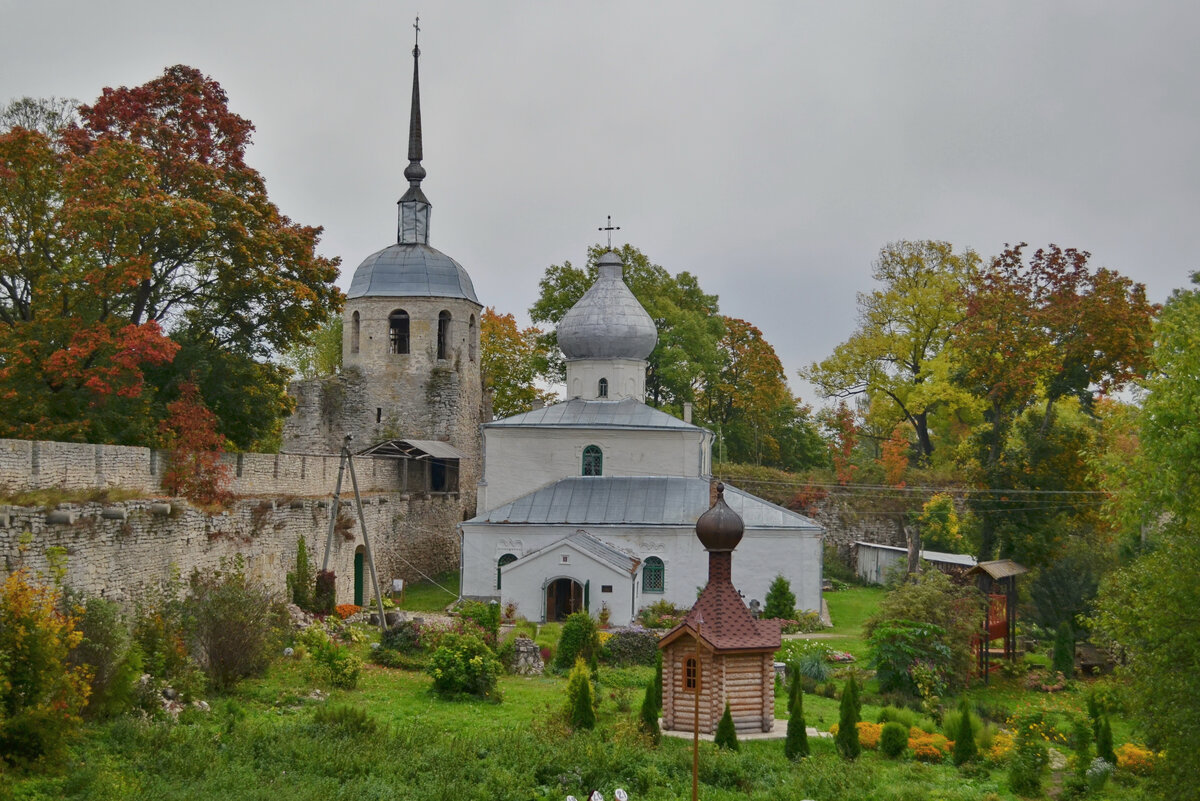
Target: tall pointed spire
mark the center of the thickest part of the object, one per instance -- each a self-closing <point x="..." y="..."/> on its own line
<point x="413" y="228"/>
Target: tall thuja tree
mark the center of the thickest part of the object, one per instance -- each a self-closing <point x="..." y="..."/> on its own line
<point x="1148" y="608"/>
<point x="848" y="717"/>
<point x="1037" y="330"/>
<point x="796" y="745"/>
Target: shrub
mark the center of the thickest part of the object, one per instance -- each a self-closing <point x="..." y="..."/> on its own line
<point x="650" y="711"/>
<point x="345" y="611"/>
<point x="796" y="745"/>
<point x="847" y="733"/>
<point x="346" y="721"/>
<point x="1029" y="756"/>
<point x="233" y="622"/>
<point x="803" y="623"/>
<point x="580" y="640"/>
<point x="107" y="653"/>
<point x="893" y="739"/>
<point x="868" y="734"/>
<point x="1136" y="759"/>
<point x="964" y="735"/>
<point x="1063" y="660"/>
<point x="726" y="736"/>
<point x="300" y="583"/>
<point x="660" y="615"/>
<point x="780" y="601"/>
<point x="631" y="647"/>
<point x="581" y="710"/>
<point x="898" y="645"/>
<point x="484" y="615"/>
<point x="928" y="747"/>
<point x="950" y="615"/>
<point x="1098" y="772"/>
<point x="1002" y="748"/>
<point x="404" y="636"/>
<point x="837" y="568"/>
<point x="464" y="665"/>
<point x="340" y="666"/>
<point x="894" y="714"/>
<point x="325" y="594"/>
<point x="41" y="693"/>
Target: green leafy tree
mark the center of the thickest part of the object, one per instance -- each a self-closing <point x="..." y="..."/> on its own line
<point x="903" y="328"/>
<point x="939" y="523"/>
<point x="726" y="736"/>
<point x="848" y="717"/>
<point x="1148" y="608"/>
<point x="511" y="360"/>
<point x="780" y="601"/>
<point x="320" y="357"/>
<point x="796" y="745"/>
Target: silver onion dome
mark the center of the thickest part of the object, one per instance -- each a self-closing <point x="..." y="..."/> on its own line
<point x="607" y="322"/>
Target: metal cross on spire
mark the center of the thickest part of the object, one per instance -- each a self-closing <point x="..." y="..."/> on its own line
<point x="417" y="36"/>
<point x="610" y="228"/>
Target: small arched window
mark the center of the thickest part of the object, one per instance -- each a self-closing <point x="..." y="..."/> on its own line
<point x="354" y="325"/>
<point x="471" y="346"/>
<point x="501" y="562"/>
<point x="593" y="461"/>
<point x="654" y="575"/>
<point x="398" y="332"/>
<point x="689" y="673"/>
<point x="602" y="389"/>
<point x="443" y="340"/>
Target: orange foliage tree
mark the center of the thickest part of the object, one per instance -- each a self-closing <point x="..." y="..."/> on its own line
<point x="190" y="431"/>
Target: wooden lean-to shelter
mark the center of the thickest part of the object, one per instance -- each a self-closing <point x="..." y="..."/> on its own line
<point x="998" y="582"/>
<point x="720" y="652"/>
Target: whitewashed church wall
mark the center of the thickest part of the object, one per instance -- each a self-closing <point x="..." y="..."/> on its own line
<point x="522" y="460"/>
<point x="626" y="378"/>
<point x="528" y="583"/>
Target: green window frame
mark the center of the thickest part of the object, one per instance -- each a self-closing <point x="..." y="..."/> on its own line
<point x="593" y="461"/>
<point x="654" y="575"/>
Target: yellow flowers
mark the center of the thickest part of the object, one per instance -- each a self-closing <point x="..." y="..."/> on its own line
<point x="1136" y="759"/>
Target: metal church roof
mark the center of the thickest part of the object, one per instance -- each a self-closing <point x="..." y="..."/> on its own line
<point x="627" y="413"/>
<point x="411" y="270"/>
<point x="636" y="500"/>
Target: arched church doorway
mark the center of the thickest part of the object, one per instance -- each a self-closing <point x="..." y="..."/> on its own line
<point x="563" y="597"/>
<point x="358" y="576"/>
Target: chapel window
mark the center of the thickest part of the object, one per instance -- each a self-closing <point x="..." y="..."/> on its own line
<point x="602" y="390"/>
<point x="654" y="575"/>
<point x="689" y="673"/>
<point x="593" y="461"/>
<point x="354" y="324"/>
<point x="443" y="339"/>
<point x="501" y="562"/>
<point x="398" y="341"/>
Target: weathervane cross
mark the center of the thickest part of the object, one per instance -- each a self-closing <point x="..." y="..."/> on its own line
<point x="417" y="36"/>
<point x="610" y="229"/>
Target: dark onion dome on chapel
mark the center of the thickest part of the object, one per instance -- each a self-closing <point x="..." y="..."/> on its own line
<point x="607" y="322"/>
<point x="720" y="528"/>
<point x="411" y="267"/>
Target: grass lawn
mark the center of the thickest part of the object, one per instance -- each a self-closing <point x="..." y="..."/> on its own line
<point x="426" y="596"/>
<point x="848" y="610"/>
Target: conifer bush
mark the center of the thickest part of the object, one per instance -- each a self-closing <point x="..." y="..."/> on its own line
<point x="964" y="738"/>
<point x="325" y="594"/>
<point x="1063" y="660"/>
<point x="581" y="709"/>
<point x="650" y="712"/>
<point x="1104" y="741"/>
<point x="1029" y="756"/>
<point x="847" y="733"/>
<point x="301" y="581"/>
<point x="893" y="739"/>
<point x="726" y="736"/>
<point x="780" y="601"/>
<point x="796" y="745"/>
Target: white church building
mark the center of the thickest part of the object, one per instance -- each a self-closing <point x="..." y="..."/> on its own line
<point x="592" y="503"/>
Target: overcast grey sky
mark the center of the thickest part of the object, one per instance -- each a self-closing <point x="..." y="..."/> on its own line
<point x="769" y="148"/>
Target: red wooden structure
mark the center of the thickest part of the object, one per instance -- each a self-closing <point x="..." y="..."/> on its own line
<point x="998" y="581"/>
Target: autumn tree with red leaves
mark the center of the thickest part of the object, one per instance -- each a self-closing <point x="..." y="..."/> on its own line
<point x="190" y="432"/>
<point x="142" y="220"/>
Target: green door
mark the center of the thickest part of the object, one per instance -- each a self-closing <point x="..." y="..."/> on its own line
<point x="358" y="577"/>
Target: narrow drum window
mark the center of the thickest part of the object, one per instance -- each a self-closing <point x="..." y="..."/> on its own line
<point x="593" y="461"/>
<point x="471" y="346"/>
<point x="398" y="331"/>
<point x="602" y="390"/>
<point x="443" y="341"/>
<point x="501" y="562"/>
<point x="689" y="673"/>
<point x="654" y="575"/>
<point x="354" y="324"/>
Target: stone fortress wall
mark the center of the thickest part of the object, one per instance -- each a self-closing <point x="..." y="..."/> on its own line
<point x="114" y="548"/>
